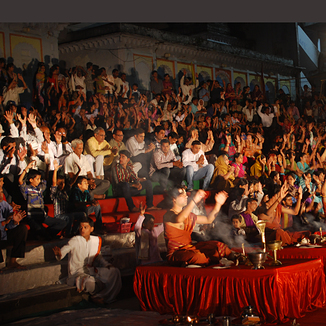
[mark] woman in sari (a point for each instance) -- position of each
(259, 167)
(223, 175)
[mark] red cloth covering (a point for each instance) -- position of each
(302, 253)
(277, 293)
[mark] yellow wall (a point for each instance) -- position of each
(240, 74)
(168, 63)
(35, 42)
(206, 69)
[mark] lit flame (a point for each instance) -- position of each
(189, 319)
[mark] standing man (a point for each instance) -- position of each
(187, 88)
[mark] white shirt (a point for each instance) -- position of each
(266, 120)
(38, 137)
(189, 158)
(117, 85)
(109, 78)
(80, 254)
(134, 147)
(125, 88)
(80, 81)
(250, 115)
(187, 88)
(12, 94)
(70, 164)
(15, 162)
(57, 150)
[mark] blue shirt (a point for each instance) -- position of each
(5, 211)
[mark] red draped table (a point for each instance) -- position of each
(302, 253)
(277, 293)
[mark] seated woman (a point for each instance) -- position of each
(252, 147)
(259, 167)
(279, 217)
(223, 176)
(228, 146)
(239, 168)
(249, 221)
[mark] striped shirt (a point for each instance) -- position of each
(126, 174)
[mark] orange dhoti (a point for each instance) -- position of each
(180, 249)
(201, 253)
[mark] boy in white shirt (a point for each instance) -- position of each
(87, 269)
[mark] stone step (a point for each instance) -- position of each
(51, 272)
(38, 252)
(46, 298)
(51, 298)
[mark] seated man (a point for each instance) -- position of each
(11, 167)
(117, 142)
(127, 184)
(87, 269)
(197, 166)
(208, 146)
(11, 231)
(60, 148)
(136, 147)
(279, 216)
(76, 164)
(164, 166)
(100, 152)
(178, 225)
(159, 134)
(173, 138)
(81, 199)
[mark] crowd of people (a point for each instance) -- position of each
(88, 130)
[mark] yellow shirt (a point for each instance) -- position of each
(95, 149)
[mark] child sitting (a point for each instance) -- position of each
(61, 203)
(146, 234)
(87, 269)
(81, 199)
(237, 233)
(36, 215)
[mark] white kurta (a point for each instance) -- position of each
(86, 267)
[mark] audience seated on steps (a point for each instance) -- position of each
(36, 215)
(82, 201)
(139, 152)
(62, 205)
(164, 166)
(100, 153)
(127, 184)
(12, 232)
(116, 141)
(76, 164)
(197, 166)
